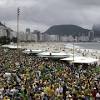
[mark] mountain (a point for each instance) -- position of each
(73, 30)
(2, 24)
(4, 30)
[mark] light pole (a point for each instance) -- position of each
(73, 52)
(18, 14)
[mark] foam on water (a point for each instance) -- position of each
(70, 46)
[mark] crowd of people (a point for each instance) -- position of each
(24, 77)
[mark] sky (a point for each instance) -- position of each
(42, 14)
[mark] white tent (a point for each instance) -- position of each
(77, 59)
(11, 46)
(28, 51)
(53, 54)
(86, 60)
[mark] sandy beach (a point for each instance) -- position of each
(61, 46)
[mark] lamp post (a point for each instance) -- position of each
(73, 51)
(18, 14)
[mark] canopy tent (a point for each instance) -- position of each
(53, 54)
(28, 51)
(85, 60)
(11, 46)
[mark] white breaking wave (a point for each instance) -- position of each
(70, 46)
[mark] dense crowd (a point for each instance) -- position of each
(24, 77)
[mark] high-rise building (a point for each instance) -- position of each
(27, 30)
(28, 34)
(38, 34)
(91, 35)
(3, 31)
(52, 37)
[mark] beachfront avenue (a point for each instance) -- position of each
(24, 77)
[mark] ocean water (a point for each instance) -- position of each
(84, 45)
(88, 45)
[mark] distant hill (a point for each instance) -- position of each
(6, 30)
(73, 30)
(2, 24)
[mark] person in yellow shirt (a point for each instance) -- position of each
(49, 91)
(6, 98)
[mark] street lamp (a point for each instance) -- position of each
(73, 52)
(18, 14)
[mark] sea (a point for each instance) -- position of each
(85, 45)
(89, 45)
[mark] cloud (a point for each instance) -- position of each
(86, 2)
(41, 14)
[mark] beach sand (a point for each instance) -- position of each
(61, 46)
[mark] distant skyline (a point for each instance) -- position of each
(41, 14)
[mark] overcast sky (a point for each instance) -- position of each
(41, 14)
